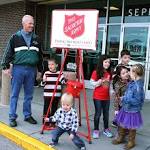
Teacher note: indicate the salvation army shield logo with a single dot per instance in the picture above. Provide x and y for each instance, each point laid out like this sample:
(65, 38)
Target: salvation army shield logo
(74, 25)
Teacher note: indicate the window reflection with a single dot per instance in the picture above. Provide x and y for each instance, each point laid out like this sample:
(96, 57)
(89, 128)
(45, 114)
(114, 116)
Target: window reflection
(135, 40)
(113, 40)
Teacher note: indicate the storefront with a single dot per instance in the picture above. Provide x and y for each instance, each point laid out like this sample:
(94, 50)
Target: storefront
(125, 25)
(122, 25)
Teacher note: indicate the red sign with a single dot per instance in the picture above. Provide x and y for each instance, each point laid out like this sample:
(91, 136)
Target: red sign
(74, 25)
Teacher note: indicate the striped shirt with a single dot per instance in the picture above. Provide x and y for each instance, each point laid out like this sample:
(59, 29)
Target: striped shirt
(50, 83)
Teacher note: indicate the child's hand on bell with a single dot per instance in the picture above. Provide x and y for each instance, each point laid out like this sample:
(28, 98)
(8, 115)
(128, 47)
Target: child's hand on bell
(71, 136)
(46, 119)
(100, 82)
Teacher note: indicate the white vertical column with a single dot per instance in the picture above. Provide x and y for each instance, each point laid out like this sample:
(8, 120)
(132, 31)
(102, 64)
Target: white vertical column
(5, 91)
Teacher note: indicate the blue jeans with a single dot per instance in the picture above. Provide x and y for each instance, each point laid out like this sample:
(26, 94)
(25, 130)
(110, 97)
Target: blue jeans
(21, 75)
(57, 132)
(99, 106)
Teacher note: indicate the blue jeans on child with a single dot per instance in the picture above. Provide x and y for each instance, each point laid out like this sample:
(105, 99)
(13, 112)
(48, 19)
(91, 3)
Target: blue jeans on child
(57, 132)
(101, 105)
(21, 75)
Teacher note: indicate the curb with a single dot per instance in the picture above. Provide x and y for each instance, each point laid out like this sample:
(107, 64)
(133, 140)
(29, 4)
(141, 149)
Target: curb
(23, 140)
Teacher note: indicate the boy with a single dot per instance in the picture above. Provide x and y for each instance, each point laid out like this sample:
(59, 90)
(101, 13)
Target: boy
(67, 121)
(125, 59)
(49, 81)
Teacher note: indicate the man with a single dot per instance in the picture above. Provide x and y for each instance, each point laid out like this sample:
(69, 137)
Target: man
(24, 53)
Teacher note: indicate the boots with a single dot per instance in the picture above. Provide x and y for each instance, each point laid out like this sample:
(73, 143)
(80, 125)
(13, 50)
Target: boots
(131, 140)
(121, 136)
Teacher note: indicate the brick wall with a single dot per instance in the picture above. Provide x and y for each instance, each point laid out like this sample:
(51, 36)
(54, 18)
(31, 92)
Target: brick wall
(41, 22)
(10, 22)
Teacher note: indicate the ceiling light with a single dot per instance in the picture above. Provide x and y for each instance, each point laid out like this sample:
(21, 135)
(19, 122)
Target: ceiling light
(112, 8)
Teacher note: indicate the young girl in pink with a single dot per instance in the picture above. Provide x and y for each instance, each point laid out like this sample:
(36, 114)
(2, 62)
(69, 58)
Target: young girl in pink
(100, 79)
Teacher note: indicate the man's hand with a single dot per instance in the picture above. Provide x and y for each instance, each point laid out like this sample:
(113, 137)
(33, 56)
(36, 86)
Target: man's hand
(46, 119)
(7, 72)
(116, 113)
(39, 76)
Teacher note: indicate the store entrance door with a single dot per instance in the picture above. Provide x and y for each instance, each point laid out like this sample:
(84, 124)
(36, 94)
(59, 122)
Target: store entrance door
(136, 39)
(90, 56)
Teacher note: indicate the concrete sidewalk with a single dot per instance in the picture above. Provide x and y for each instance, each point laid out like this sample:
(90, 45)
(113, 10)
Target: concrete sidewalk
(104, 143)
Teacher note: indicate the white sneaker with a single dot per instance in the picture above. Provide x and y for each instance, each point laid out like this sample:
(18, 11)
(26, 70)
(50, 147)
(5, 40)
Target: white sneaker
(108, 133)
(95, 134)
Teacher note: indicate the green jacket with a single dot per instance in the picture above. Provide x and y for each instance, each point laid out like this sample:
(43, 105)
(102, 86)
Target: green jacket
(18, 53)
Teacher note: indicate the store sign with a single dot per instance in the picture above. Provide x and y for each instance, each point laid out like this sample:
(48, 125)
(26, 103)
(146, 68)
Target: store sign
(74, 29)
(139, 11)
(74, 26)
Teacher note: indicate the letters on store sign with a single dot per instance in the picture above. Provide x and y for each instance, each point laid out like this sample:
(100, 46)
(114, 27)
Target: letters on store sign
(139, 12)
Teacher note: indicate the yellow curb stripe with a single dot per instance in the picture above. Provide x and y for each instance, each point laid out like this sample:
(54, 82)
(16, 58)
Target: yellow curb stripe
(23, 140)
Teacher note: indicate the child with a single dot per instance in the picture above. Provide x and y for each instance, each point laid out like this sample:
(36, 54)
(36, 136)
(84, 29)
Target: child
(124, 61)
(49, 79)
(67, 121)
(100, 79)
(120, 82)
(129, 117)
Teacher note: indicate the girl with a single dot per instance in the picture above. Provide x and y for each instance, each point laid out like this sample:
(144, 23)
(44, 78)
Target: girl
(120, 81)
(49, 80)
(100, 79)
(129, 117)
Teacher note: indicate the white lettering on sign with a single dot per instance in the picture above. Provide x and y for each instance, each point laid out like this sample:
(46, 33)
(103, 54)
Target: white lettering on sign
(144, 10)
(130, 12)
(139, 12)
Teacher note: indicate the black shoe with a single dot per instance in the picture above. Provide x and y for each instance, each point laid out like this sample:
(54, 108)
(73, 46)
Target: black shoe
(31, 120)
(114, 124)
(13, 123)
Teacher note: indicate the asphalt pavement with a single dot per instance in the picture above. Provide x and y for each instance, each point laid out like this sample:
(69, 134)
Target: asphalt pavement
(6, 144)
(103, 143)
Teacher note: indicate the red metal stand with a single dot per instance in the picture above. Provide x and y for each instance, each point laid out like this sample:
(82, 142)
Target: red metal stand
(80, 78)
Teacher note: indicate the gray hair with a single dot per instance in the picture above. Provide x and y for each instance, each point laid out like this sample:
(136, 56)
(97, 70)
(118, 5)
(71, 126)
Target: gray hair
(25, 18)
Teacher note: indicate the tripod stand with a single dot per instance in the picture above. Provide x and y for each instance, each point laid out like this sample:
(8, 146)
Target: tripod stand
(80, 78)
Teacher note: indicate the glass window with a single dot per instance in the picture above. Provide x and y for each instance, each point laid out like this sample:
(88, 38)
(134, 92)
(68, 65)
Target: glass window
(115, 11)
(135, 40)
(137, 11)
(90, 57)
(113, 40)
(48, 28)
(99, 5)
(102, 11)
